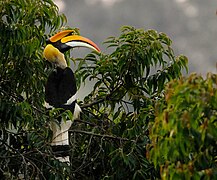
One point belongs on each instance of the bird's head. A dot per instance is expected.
(62, 42)
(53, 55)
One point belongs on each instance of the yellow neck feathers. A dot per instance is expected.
(53, 55)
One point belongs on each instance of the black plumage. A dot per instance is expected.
(60, 87)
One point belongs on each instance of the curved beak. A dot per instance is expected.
(62, 42)
(78, 41)
(58, 36)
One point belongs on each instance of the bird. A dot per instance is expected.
(60, 89)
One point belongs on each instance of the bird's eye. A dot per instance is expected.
(48, 41)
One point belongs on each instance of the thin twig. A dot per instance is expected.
(92, 161)
(85, 122)
(84, 160)
(100, 135)
(92, 103)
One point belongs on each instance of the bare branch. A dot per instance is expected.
(100, 135)
(92, 103)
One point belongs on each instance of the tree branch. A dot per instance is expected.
(92, 103)
(100, 135)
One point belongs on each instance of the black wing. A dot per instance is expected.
(60, 87)
(67, 86)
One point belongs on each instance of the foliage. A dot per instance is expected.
(184, 136)
(23, 24)
(111, 143)
(110, 139)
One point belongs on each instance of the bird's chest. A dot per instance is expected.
(60, 87)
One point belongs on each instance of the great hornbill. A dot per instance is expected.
(60, 90)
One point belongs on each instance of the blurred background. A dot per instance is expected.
(191, 24)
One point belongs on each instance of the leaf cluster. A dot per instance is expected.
(184, 136)
(24, 124)
(127, 84)
(111, 138)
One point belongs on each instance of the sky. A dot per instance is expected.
(191, 24)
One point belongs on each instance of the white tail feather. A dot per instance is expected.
(63, 159)
(77, 111)
(60, 132)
